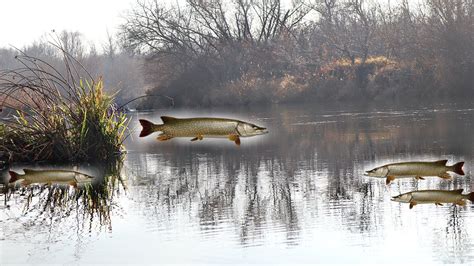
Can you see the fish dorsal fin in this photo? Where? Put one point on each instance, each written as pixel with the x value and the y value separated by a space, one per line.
pixel 459 190
pixel 167 119
pixel 29 171
pixel 441 162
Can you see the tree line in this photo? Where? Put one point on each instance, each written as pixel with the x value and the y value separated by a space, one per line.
pixel 211 52
pixel 239 52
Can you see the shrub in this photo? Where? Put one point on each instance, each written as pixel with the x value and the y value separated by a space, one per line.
pixel 58 114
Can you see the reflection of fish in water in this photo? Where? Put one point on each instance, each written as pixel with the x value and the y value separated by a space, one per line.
pixel 416 169
pixel 50 177
pixel 198 128
pixel 434 196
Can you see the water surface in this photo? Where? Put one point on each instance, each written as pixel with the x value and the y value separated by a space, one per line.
pixel 296 195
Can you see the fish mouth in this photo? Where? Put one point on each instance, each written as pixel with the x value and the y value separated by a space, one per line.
pixel 262 130
pixel 396 199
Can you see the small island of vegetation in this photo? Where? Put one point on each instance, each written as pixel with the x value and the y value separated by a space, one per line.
pixel 57 113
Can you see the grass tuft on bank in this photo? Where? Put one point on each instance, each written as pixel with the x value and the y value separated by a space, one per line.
pixel 57 113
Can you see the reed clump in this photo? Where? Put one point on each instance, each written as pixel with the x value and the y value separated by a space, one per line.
pixel 57 113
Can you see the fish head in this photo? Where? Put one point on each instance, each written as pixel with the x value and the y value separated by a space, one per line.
pixel 247 130
pixel 377 172
pixel 405 198
pixel 83 178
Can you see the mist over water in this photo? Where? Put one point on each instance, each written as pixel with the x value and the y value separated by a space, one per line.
pixel 295 195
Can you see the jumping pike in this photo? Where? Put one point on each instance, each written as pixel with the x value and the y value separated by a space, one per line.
pixel 198 128
pixel 434 196
pixel 415 169
pixel 50 177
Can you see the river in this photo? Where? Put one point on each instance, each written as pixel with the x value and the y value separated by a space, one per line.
pixel 295 195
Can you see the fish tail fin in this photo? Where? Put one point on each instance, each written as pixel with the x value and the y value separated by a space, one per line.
pixel 457 168
pixel 148 127
pixel 13 177
pixel 470 196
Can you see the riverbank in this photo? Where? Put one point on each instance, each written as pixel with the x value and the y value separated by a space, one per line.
pixel 376 79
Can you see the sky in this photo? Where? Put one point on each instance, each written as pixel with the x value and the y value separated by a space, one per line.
pixel 24 21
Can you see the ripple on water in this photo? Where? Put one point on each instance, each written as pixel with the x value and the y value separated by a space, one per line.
pixel 298 197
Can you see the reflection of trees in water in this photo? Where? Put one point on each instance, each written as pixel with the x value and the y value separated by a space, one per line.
pixel 254 208
pixel 58 210
pixel 453 242
pixel 252 195
pixel 313 160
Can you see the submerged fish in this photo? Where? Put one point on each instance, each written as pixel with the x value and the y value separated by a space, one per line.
pixel 434 196
pixel 415 169
pixel 198 128
pixel 49 177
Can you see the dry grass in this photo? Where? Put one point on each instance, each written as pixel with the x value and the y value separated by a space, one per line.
pixel 58 114
pixel 343 69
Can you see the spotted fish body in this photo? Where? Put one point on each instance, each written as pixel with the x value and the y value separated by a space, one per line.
pixel 49 177
pixel 191 127
pixel 416 169
pixel 198 128
pixel 437 197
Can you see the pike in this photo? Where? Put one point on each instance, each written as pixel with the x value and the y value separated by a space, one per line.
pixel 198 128
pixel 435 196
pixel 416 169
pixel 49 177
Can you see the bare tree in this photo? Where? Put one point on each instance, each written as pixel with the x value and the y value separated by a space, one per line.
pixel 364 24
pixel 202 26
pixel 203 44
pixel 348 26
pixel 72 43
pixel 110 46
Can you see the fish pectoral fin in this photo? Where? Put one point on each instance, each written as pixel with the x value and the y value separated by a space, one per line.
pixel 419 177
pixel 163 137
pixel 412 204
pixel 198 137
pixel 445 176
pixel 389 179
pixel 460 203
pixel 235 138
pixel 73 183
pixel 438 204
